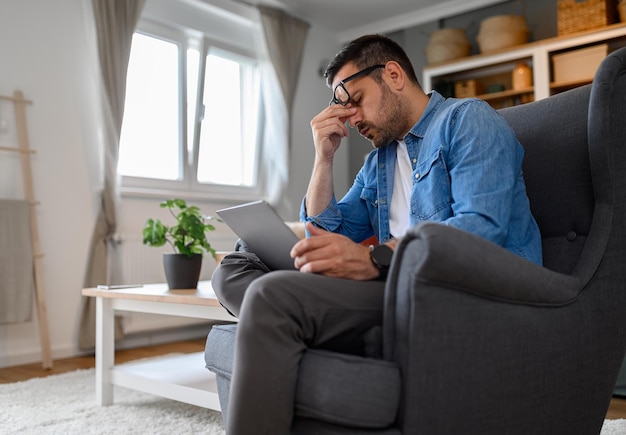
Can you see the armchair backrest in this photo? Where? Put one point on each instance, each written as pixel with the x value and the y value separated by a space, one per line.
pixel 570 142
pixel 557 173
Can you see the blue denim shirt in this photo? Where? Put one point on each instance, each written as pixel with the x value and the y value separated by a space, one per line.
pixel 467 173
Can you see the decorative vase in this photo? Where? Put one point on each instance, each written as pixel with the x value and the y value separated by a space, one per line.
pixel 182 272
pixel 522 76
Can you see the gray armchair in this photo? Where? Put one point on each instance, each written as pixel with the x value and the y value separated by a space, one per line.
pixel 476 340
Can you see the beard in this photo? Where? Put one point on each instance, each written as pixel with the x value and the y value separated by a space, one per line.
pixel 389 124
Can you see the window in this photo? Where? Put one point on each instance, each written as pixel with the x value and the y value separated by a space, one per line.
pixel 191 116
pixel 149 143
pixel 229 119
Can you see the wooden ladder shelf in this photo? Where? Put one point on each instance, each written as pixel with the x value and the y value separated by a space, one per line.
pixel 19 105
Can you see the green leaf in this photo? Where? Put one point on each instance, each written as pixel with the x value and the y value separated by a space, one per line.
pixel 194 228
pixel 154 233
pixel 193 210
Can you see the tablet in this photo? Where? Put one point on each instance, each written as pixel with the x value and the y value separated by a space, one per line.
pixel 263 230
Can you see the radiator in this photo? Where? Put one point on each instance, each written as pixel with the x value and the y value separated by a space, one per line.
pixel 136 263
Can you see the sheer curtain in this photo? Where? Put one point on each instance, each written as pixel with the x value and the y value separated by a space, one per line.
pixel 284 40
pixel 115 22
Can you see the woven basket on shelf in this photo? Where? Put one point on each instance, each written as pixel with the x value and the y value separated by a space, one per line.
pixel 579 15
pixel 447 44
pixel 502 31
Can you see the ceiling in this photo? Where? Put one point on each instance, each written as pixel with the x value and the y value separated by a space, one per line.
pixel 352 18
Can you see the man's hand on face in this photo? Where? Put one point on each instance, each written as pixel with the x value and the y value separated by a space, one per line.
pixel 333 255
pixel 329 127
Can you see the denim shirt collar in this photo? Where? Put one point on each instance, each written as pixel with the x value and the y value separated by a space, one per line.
pixel 419 129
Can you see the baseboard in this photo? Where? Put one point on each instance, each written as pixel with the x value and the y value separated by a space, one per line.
pixel 131 341
pixel 33 356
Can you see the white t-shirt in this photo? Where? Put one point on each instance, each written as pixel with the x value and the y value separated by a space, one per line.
pixel 401 197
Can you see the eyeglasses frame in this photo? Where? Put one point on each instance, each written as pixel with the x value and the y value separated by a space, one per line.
pixel 341 84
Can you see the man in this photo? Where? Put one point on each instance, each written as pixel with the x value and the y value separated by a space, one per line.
pixel 456 162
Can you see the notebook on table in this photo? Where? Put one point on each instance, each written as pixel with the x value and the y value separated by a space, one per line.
pixel 263 230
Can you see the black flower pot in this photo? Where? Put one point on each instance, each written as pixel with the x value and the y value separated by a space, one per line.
pixel 182 272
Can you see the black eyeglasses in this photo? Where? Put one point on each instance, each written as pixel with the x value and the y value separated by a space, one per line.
pixel 340 94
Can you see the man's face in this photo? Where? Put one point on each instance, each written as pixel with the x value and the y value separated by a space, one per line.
pixel 380 112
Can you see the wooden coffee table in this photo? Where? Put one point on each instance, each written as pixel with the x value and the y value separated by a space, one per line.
pixel 181 377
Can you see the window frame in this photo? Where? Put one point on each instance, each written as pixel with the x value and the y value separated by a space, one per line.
pixel 188 148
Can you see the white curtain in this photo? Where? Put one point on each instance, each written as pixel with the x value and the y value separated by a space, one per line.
pixel 284 37
pixel 115 22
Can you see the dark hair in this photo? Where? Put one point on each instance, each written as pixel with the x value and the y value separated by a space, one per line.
pixel 370 50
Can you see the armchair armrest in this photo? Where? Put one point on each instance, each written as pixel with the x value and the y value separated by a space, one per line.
pixel 446 256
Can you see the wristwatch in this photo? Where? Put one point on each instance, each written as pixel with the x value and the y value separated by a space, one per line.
pixel 381 257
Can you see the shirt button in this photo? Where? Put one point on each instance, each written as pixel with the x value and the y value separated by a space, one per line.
pixel 414 160
pixel 417 176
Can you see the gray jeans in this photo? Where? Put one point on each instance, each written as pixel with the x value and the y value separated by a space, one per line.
pixel 281 314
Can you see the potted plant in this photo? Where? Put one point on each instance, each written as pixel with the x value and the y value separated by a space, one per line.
pixel 188 239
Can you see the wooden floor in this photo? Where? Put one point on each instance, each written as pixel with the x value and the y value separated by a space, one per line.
pixel 617 408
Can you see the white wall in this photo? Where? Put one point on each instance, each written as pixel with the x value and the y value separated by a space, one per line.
pixel 47 51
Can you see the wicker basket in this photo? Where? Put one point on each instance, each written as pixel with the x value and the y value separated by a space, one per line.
pixel 502 31
pixel 468 88
pixel 579 15
pixel 447 44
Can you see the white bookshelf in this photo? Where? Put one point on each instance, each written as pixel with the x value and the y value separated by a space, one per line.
pixel 496 67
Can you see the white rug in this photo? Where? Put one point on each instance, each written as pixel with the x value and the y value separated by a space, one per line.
pixel 65 404
pixel 614 427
